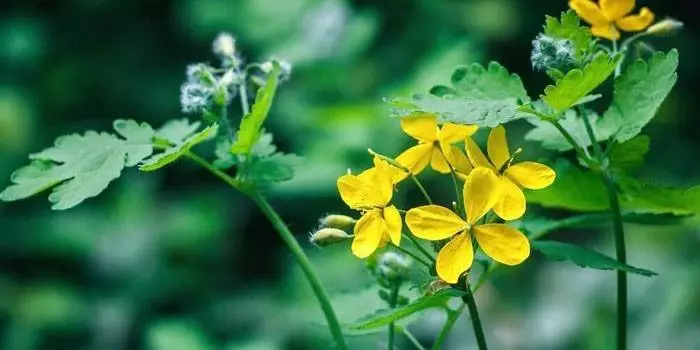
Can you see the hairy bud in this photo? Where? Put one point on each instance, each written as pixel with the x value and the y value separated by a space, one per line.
pixel 337 221
pixel 328 236
pixel 393 266
pixel 551 53
pixel 224 45
pixel 285 68
pixel 195 97
pixel 665 27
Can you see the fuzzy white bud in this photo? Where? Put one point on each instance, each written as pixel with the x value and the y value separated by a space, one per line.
pixel 337 221
pixel 665 27
pixel 224 45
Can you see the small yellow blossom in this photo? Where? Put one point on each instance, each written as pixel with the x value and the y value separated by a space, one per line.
pixel 435 145
pixel 611 15
pixel 501 242
pixel 370 192
pixel 511 201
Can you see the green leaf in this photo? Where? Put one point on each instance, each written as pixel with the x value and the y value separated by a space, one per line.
pixel 175 152
pixel 570 28
pixel 263 147
pixel 252 123
pixel 176 131
pixel 639 92
pixel 573 189
pixel 650 198
pixel 629 155
pixel 81 165
pixel 585 257
pixel 482 96
pixel 578 83
pixel 275 168
pixel 385 317
pixel 550 138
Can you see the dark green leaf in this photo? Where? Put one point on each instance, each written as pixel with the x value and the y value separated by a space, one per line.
pixel 573 189
pixel 584 257
pixel 629 155
pixel 174 153
pixel 275 168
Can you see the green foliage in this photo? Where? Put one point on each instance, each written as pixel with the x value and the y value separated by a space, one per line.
pixel 629 155
pixel 177 335
pixel 178 150
pixel 481 96
pixel 578 83
pixel 175 132
pixel 252 123
pixel 81 166
pixel 570 28
pixel 584 257
pixel 649 198
pixel 550 138
pixel 639 92
pixel 385 317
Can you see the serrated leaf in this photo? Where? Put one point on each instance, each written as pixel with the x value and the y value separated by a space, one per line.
pixel 251 124
pixel 263 147
pixel 573 189
pixel 585 257
pixel 578 83
pixel 550 138
pixel 570 28
pixel 629 155
pixel 385 317
pixel 639 92
pixel 176 131
pixel 174 153
pixel 481 96
pixel 650 198
pixel 81 165
pixel 275 168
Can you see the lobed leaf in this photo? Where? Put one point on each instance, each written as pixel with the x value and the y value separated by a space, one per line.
pixel 585 257
pixel 573 189
pixel 252 123
pixel 173 153
pixel 570 28
pixel 629 155
pixel 81 166
pixel 578 83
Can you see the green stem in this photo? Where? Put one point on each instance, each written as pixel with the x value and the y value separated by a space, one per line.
pixel 580 151
pixel 452 316
pixel 412 339
pixel 290 241
pixel 622 258
pixel 597 151
pixel 458 195
pixel 421 188
pixel 476 321
pixel 412 255
pixel 393 298
pixel 618 68
pixel 420 247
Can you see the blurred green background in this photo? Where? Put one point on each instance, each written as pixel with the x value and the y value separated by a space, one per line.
pixel 175 260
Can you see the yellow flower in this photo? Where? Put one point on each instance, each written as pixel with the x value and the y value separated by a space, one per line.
pixel 501 242
pixel 611 15
pixel 511 201
pixel 370 192
pixel 435 144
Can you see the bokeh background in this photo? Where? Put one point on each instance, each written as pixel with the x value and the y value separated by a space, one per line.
pixel 174 260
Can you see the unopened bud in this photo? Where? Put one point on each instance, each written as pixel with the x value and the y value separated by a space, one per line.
pixel 328 236
pixel 285 68
pixel 393 266
pixel 337 221
pixel 228 78
pixel 552 53
pixel 224 45
pixel 665 27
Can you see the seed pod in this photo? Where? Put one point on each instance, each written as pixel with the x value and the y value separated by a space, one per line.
pixel 665 27
pixel 328 236
pixel 337 221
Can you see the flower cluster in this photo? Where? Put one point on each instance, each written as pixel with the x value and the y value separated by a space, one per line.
pixel 491 183
pixel 605 19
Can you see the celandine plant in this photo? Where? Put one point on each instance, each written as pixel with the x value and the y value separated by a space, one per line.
pixel 487 222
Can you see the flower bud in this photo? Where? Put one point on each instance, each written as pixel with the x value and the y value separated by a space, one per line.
pixel 337 221
pixel 665 27
pixel 328 236
pixel 285 68
pixel 393 266
pixel 224 45
pixel 552 53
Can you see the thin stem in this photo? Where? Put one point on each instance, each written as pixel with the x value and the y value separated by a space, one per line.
pixel 292 244
pixel 393 298
pixel 243 90
pixel 420 247
pixel 597 151
pixel 452 316
pixel 618 68
pixel 421 188
pixel 580 151
pixel 458 195
pixel 622 258
pixel 412 339
pixel 413 255
pixel 476 321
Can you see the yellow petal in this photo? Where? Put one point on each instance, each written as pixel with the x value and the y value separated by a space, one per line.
pixel 616 9
pixel 376 187
pixel 439 161
pixel 455 258
pixel 421 126
pixel 476 157
pixel 503 243
pixel 452 133
pixel 638 22
pixel 607 31
pixel 531 175
pixel 458 160
pixel 497 147
pixel 511 201
pixel 589 11
pixel 350 189
pixel 416 158
pixel 368 233
pixel 392 222
pixel 433 222
pixel 481 191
